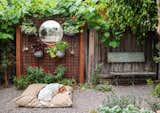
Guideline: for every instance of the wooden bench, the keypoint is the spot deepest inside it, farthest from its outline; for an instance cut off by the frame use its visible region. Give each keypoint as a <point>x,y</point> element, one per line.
<point>117,75</point>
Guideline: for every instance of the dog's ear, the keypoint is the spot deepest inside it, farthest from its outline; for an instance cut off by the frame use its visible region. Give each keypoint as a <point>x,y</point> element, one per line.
<point>62,89</point>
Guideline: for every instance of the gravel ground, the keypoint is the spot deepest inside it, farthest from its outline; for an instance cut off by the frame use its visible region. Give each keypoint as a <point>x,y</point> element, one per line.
<point>84,100</point>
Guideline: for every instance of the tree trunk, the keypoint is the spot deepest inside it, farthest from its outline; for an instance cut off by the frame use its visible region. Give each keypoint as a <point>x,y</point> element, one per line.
<point>6,84</point>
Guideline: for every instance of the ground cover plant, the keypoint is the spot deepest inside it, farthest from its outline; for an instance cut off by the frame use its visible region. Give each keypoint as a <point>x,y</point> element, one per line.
<point>122,104</point>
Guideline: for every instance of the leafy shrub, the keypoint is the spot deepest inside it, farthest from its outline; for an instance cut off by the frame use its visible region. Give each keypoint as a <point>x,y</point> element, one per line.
<point>59,73</point>
<point>154,104</point>
<point>21,83</point>
<point>95,75</point>
<point>156,91</point>
<point>69,82</point>
<point>28,28</point>
<point>103,87</point>
<point>86,86</point>
<point>128,109</point>
<point>38,75</point>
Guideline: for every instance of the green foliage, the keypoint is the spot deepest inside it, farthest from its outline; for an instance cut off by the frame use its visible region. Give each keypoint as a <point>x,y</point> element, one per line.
<point>121,101</point>
<point>72,26</point>
<point>59,73</point>
<point>150,82</point>
<point>103,88</point>
<point>122,104</point>
<point>157,57</point>
<point>38,75</point>
<point>7,56</point>
<point>21,83</point>
<point>128,109</point>
<point>156,91</point>
<point>60,46</point>
<point>111,18</point>
<point>95,75</point>
<point>28,28</point>
<point>156,88</point>
<point>154,105</point>
<point>69,82</point>
<point>85,86</point>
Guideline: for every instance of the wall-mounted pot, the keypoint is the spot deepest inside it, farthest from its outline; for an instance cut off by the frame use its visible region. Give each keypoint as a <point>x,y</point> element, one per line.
<point>38,54</point>
<point>60,54</point>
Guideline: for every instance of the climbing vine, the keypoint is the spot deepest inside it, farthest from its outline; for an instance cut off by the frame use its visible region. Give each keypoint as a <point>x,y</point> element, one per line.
<point>111,18</point>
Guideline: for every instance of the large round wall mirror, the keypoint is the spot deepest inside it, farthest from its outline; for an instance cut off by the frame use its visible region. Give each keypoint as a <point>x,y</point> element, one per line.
<point>50,31</point>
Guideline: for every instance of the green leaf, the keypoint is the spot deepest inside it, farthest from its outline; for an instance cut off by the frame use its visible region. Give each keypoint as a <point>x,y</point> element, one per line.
<point>113,44</point>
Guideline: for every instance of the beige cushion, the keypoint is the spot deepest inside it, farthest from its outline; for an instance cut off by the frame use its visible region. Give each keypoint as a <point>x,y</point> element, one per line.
<point>29,97</point>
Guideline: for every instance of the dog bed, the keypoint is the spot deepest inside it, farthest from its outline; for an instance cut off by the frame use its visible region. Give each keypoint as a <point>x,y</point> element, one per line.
<point>46,95</point>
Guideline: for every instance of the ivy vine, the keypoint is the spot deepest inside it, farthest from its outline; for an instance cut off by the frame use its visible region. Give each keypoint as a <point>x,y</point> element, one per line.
<point>111,18</point>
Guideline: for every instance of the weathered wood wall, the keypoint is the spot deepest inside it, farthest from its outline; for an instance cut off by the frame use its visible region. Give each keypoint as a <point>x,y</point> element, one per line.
<point>98,54</point>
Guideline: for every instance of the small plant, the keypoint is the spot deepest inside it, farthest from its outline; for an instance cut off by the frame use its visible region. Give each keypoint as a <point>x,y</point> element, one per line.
<point>71,30</point>
<point>154,104</point>
<point>156,88</point>
<point>157,57</point>
<point>69,82</point>
<point>156,91</point>
<point>85,86</point>
<point>21,82</point>
<point>59,73</point>
<point>29,28</point>
<point>103,87</point>
<point>72,26</point>
<point>95,75</point>
<point>150,82</point>
<point>60,46</point>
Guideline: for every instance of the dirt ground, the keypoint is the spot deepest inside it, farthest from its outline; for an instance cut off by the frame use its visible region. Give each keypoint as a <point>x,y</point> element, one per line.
<point>84,100</point>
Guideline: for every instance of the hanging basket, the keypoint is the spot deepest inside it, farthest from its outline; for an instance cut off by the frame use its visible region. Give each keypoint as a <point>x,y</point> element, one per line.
<point>38,54</point>
<point>60,54</point>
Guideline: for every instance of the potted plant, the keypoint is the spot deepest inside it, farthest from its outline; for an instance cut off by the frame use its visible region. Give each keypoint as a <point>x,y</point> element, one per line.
<point>29,28</point>
<point>72,26</point>
<point>57,50</point>
<point>38,50</point>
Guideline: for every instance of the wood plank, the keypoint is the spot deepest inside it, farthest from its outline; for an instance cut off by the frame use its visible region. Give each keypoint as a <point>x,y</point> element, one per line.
<point>82,58</point>
<point>133,73</point>
<point>18,52</point>
<point>125,57</point>
<point>91,54</point>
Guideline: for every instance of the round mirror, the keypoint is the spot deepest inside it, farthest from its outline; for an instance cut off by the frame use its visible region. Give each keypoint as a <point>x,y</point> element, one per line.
<point>50,31</point>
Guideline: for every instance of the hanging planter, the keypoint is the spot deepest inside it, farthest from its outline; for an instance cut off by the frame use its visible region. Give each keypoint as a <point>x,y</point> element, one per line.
<point>29,29</point>
<point>38,54</point>
<point>57,50</point>
<point>60,54</point>
<point>72,27</point>
<point>38,50</point>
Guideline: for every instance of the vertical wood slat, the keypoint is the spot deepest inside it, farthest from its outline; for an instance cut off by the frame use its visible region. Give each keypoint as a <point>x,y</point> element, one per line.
<point>18,52</point>
<point>82,58</point>
<point>91,54</point>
